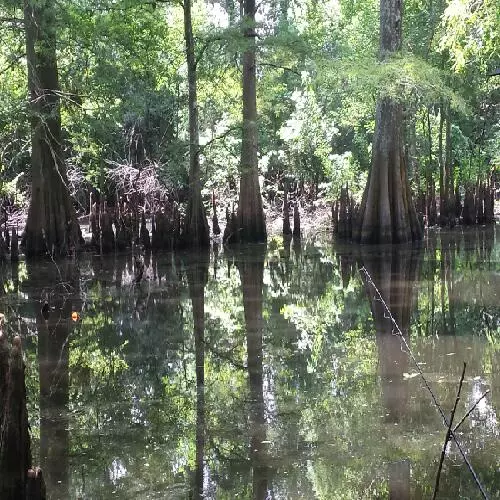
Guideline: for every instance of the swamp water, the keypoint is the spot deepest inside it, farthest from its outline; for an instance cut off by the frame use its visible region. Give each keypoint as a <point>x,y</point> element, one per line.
<point>257,373</point>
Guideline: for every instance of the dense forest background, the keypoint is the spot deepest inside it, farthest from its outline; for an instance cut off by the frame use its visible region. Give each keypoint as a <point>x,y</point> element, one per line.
<point>140,109</point>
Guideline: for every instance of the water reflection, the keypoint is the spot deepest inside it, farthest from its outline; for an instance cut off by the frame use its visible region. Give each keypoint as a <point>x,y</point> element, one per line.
<point>56,305</point>
<point>251,271</point>
<point>394,275</point>
<point>197,277</point>
<point>262,373</point>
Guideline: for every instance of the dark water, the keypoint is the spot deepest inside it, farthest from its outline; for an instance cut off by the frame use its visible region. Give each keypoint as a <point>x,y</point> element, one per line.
<point>263,373</point>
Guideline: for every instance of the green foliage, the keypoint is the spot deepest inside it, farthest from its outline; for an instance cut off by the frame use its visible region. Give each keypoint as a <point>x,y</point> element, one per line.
<point>122,63</point>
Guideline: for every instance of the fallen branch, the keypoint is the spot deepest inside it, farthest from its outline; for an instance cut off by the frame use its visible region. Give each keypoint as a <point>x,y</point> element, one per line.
<point>448,434</point>
<point>402,338</point>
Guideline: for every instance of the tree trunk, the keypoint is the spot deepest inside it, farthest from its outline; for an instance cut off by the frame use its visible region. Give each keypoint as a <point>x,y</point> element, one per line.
<point>15,450</point>
<point>448,164</point>
<point>251,220</point>
<point>196,231</point>
<point>442,170</point>
<point>387,213</point>
<point>52,226</point>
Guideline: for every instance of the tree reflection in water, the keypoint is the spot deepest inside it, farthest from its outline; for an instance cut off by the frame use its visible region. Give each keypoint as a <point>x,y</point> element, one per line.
<point>197,276</point>
<point>394,274</point>
<point>251,271</point>
<point>54,325</point>
<point>293,353</point>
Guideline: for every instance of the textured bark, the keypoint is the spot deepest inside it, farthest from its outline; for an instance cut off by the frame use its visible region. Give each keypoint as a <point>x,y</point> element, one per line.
<point>469,210</point>
<point>387,213</point>
<point>442,170</point>
<point>51,227</point>
<point>251,220</point>
<point>231,230</point>
<point>345,214</point>
<point>196,232</point>
<point>17,479</point>
<point>458,203</point>
<point>450,181</point>
<point>489,202</point>
<point>335,217</point>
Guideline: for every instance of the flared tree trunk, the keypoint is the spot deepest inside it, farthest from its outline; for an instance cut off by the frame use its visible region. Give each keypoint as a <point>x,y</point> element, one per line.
<point>196,232</point>
<point>52,226</point>
<point>387,213</point>
<point>252,226</point>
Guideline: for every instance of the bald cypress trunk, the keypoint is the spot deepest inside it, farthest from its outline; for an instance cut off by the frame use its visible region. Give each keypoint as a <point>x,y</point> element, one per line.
<point>196,231</point>
<point>52,226</point>
<point>252,226</point>
<point>387,213</point>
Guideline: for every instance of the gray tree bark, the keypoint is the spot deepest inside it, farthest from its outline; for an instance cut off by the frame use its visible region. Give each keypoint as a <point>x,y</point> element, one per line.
<point>251,220</point>
<point>196,231</point>
<point>387,213</point>
<point>52,227</point>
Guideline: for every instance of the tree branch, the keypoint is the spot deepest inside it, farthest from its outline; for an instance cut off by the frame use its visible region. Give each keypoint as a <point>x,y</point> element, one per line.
<point>222,136</point>
<point>277,66</point>
<point>204,47</point>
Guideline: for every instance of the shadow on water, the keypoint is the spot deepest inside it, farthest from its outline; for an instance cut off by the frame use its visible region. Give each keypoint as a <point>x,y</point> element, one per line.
<point>261,372</point>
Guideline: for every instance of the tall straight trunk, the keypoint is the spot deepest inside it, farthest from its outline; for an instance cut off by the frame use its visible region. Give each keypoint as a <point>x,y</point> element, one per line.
<point>448,165</point>
<point>251,220</point>
<point>442,175</point>
<point>387,213</point>
<point>52,226</point>
<point>196,231</point>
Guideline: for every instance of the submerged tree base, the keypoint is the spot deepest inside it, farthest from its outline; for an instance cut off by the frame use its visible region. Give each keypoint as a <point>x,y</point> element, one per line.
<point>17,479</point>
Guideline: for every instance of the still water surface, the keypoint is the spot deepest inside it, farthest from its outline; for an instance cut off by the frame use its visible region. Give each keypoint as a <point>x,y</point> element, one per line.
<point>263,372</point>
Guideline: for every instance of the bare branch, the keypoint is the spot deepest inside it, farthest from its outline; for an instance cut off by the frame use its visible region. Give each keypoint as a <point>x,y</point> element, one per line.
<point>277,66</point>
